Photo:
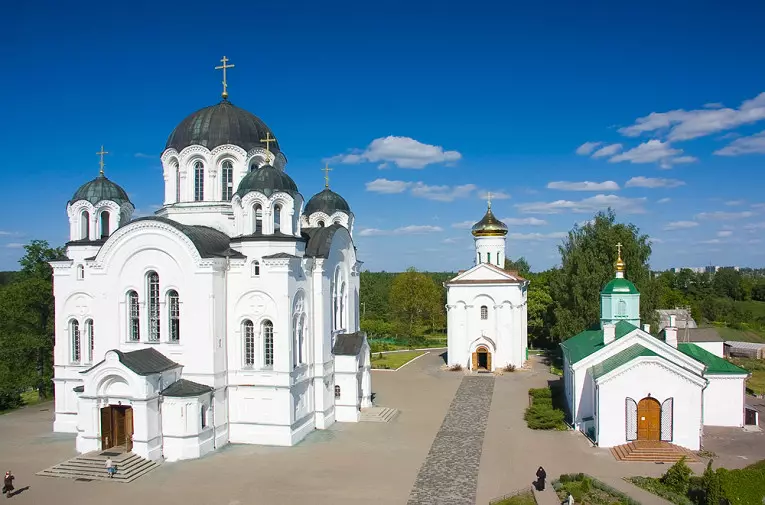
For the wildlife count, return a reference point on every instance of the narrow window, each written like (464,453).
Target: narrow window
(248,329)
(488,257)
(337,391)
(337,221)
(621,309)
(80,272)
(301,327)
(134,311)
(227,180)
(268,343)
(84,225)
(341,314)
(498,259)
(277,218)
(258,212)
(91,339)
(479,258)
(74,332)
(152,281)
(255,268)
(484,312)
(174,311)
(199,181)
(203,416)
(294,342)
(104,224)
(321,224)
(177,182)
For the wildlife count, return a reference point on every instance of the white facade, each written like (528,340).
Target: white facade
(724,400)
(241,300)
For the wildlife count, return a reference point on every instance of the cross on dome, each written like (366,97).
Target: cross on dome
(223,67)
(326,171)
(101,163)
(268,141)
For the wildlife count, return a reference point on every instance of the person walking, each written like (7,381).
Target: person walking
(110,468)
(541,476)
(8,484)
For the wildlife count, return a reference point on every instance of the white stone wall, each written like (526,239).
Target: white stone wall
(715,348)
(724,400)
(490,248)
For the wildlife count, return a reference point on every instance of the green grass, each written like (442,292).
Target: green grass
(29,398)
(393,360)
(587,490)
(526,498)
(740,335)
(756,383)
(756,308)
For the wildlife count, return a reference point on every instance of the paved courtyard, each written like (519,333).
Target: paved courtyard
(459,439)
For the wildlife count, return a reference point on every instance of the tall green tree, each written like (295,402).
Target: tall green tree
(414,299)
(588,256)
(520,265)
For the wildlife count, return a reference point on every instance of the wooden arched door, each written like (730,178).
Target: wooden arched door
(648,419)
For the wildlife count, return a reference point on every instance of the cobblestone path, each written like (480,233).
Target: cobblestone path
(449,475)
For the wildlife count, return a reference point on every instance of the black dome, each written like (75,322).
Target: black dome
(328,202)
(100,189)
(221,124)
(267,180)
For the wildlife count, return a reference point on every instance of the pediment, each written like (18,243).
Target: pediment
(486,273)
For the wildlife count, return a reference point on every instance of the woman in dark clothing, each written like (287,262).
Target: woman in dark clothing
(8,484)
(541,476)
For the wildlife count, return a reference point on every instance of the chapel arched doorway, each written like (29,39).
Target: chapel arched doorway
(649,419)
(117,427)
(481,358)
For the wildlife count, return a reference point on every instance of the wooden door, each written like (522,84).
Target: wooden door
(649,419)
(118,425)
(129,429)
(475,361)
(488,361)
(107,439)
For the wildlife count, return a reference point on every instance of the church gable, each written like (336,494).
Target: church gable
(486,273)
(589,342)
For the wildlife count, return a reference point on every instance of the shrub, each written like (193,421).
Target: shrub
(509,368)
(455,368)
(745,486)
(580,485)
(677,478)
(656,487)
(543,417)
(540,393)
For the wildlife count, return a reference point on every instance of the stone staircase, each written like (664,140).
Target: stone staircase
(651,451)
(92,466)
(378,414)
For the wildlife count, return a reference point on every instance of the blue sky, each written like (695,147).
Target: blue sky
(420,109)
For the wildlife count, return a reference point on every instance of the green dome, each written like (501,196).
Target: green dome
(100,189)
(267,180)
(620,286)
(328,202)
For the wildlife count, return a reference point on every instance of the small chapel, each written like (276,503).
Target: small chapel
(229,316)
(486,306)
(623,384)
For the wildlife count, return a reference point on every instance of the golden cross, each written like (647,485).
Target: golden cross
(619,248)
(223,67)
(326,171)
(101,163)
(488,198)
(268,141)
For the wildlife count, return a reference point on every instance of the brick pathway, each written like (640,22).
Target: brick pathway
(449,475)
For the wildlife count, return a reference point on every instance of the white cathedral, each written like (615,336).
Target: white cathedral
(231,316)
(487,312)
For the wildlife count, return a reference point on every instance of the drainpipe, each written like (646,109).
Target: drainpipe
(212,414)
(701,426)
(159,411)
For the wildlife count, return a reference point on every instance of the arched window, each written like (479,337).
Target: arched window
(152,285)
(177,170)
(255,268)
(248,330)
(498,263)
(295,358)
(80,272)
(479,258)
(134,314)
(257,211)
(337,221)
(203,416)
(253,167)
(277,218)
(74,333)
(321,224)
(104,217)
(488,257)
(268,343)
(301,341)
(84,225)
(199,181)
(341,314)
(621,308)
(91,339)
(484,312)
(174,314)
(227,180)
(337,391)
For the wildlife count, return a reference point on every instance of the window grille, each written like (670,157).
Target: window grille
(74,329)
(249,343)
(666,420)
(630,408)
(199,181)
(154,329)
(135,317)
(484,312)
(227,180)
(268,343)
(175,316)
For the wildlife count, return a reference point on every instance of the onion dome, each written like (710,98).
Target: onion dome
(267,180)
(619,285)
(489,226)
(222,124)
(100,189)
(328,202)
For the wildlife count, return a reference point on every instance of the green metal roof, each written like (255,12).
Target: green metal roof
(715,364)
(100,189)
(619,359)
(622,286)
(267,180)
(587,342)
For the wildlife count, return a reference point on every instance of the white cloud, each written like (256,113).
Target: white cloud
(405,152)
(755,226)
(724,233)
(681,124)
(586,222)
(724,216)
(3,233)
(387,186)
(735,203)
(404,230)
(14,245)
(537,236)
(680,225)
(584,186)
(144,155)
(653,151)
(451,240)
(495,195)
(652,182)
(591,204)
(713,105)
(510,221)
(587,148)
(441,193)
(609,150)
(711,241)
(745,145)
(664,200)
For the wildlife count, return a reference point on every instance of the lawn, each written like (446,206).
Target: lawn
(391,344)
(740,335)
(393,360)
(756,383)
(29,398)
(589,491)
(526,498)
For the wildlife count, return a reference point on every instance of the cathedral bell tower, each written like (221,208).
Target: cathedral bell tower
(620,299)
(490,235)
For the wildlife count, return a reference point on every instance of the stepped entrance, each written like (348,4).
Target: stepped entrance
(481,359)
(117,427)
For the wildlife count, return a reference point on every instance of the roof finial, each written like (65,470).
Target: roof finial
(223,67)
(268,141)
(620,265)
(101,162)
(326,171)
(488,199)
